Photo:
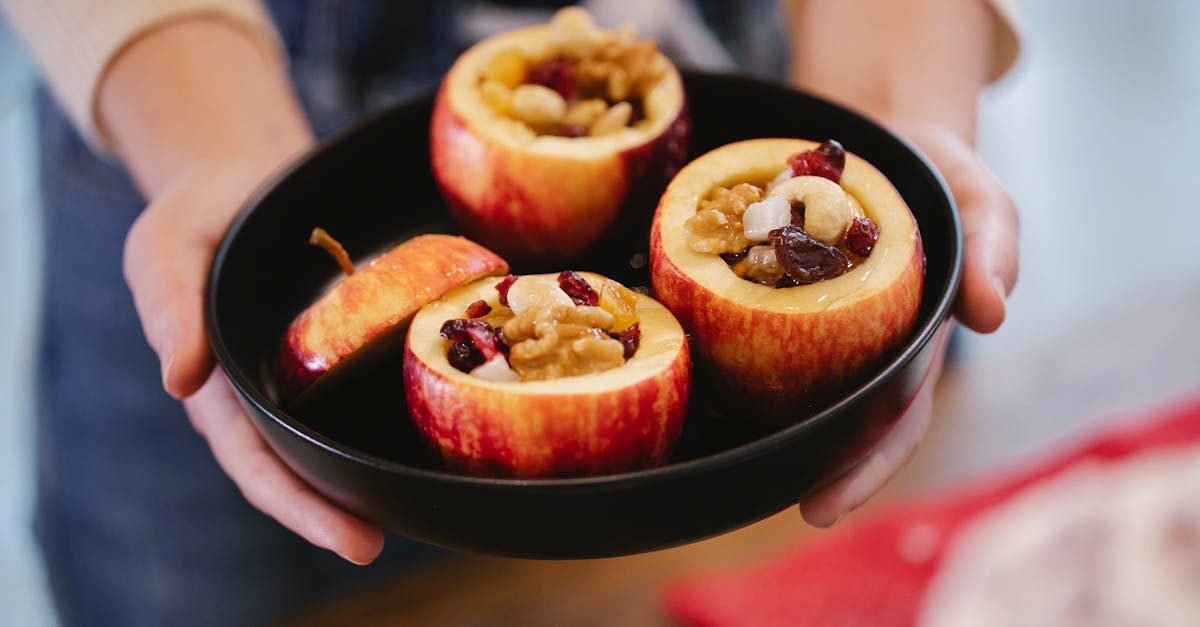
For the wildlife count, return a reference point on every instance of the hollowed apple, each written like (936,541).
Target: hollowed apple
(780,353)
(544,198)
(380,297)
(615,420)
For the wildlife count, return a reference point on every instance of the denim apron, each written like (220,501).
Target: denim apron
(137,524)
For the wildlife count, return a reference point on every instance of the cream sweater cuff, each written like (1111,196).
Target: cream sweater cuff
(73,42)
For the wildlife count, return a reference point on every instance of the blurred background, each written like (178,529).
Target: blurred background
(1097,137)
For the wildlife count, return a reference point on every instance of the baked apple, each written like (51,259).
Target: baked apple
(545,138)
(547,376)
(795,268)
(380,297)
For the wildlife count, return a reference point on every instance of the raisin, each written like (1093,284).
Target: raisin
(578,289)
(464,356)
(805,259)
(630,338)
(557,73)
(827,160)
(478,309)
(861,236)
(502,288)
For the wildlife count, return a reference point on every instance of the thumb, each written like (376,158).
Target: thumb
(990,226)
(165,264)
(990,246)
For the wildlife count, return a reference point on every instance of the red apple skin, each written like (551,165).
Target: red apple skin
(541,200)
(791,363)
(779,367)
(538,208)
(481,432)
(380,296)
(507,430)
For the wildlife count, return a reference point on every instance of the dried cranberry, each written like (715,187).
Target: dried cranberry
(805,259)
(503,286)
(478,309)
(464,356)
(472,342)
(558,74)
(485,340)
(458,329)
(861,236)
(630,338)
(827,160)
(578,289)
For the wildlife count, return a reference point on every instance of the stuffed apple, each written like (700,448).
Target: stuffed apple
(795,267)
(546,138)
(547,376)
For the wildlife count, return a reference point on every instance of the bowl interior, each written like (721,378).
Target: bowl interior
(371,187)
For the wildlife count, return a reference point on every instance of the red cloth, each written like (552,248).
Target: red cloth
(875,573)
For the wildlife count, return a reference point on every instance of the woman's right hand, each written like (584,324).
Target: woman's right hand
(201,113)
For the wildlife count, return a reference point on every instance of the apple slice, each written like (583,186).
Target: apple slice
(537,195)
(614,420)
(784,352)
(381,296)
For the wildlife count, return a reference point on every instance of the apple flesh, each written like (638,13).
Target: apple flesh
(540,199)
(780,354)
(381,296)
(616,420)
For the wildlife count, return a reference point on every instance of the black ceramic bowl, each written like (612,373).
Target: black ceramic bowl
(371,186)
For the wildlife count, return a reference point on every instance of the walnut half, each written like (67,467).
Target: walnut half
(561,341)
(717,226)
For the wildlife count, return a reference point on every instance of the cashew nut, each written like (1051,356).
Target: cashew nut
(616,118)
(828,211)
(538,106)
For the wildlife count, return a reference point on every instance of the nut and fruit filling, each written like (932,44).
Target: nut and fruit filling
(799,228)
(545,328)
(593,85)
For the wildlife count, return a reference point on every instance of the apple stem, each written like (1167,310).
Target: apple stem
(320,238)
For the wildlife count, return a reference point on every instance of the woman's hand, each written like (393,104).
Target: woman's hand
(917,67)
(990,229)
(201,114)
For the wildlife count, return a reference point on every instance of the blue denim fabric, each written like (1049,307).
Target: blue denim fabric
(137,523)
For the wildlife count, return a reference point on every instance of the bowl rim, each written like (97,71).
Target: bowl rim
(733,456)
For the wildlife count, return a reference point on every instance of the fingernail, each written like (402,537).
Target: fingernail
(166,370)
(829,524)
(1001,291)
(821,524)
(354,561)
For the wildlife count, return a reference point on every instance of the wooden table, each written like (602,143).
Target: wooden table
(473,590)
